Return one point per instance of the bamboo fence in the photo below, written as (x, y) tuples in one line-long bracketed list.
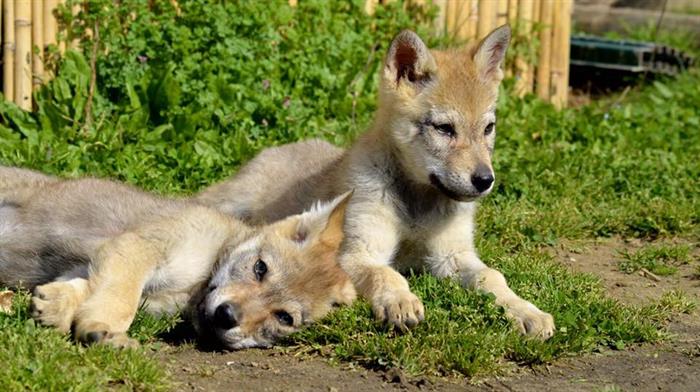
[(541, 33), (541, 30), (28, 27)]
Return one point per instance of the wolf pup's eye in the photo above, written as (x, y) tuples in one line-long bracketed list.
[(284, 318), (446, 129), (260, 269), (489, 128)]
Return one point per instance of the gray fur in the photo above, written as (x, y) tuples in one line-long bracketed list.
[(53, 226)]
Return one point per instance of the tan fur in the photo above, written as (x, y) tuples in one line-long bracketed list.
[(94, 251), (416, 175)]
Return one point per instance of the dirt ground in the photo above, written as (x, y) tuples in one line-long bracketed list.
[(669, 366)]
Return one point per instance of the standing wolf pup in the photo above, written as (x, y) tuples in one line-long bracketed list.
[(416, 176), (94, 250)]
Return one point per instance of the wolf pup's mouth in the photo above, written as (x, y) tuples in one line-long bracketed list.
[(435, 181)]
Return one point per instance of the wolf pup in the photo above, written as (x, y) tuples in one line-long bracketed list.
[(416, 174), (94, 251)]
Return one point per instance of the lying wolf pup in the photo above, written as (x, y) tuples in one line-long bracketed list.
[(416, 175), (95, 250)]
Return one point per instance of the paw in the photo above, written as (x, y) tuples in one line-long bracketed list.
[(54, 304), (531, 321), (98, 333), (400, 308)]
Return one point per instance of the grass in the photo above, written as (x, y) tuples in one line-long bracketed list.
[(659, 259), (38, 358), (616, 167)]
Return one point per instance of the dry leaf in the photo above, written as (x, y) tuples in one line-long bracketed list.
[(6, 301)]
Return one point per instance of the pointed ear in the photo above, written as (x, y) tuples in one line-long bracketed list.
[(409, 61), (332, 235), (323, 222), (490, 52)]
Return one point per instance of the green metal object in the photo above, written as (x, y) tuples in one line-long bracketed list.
[(626, 56)]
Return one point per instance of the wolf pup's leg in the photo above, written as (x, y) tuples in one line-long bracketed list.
[(372, 236), (452, 254), (117, 278)]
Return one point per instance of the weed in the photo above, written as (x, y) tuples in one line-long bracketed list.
[(659, 259)]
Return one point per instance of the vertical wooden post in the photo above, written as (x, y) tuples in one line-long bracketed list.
[(441, 18), (451, 17), (8, 49), (37, 42), (23, 55), (62, 44), (512, 12), (523, 70), (536, 10), (50, 29), (458, 17), (487, 18), (502, 13), (293, 3), (370, 5), (472, 20), (75, 42), (512, 21), (543, 66), (560, 52)]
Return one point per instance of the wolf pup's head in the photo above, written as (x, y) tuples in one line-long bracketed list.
[(281, 278), (439, 108)]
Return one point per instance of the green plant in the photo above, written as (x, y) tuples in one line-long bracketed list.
[(38, 358), (659, 259)]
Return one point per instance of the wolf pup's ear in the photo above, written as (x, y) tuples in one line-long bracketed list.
[(490, 53), (332, 235), (409, 61), (323, 223)]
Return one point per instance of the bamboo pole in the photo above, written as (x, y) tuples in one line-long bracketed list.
[(441, 19), (512, 21), (370, 5), (502, 13), (471, 25), (8, 49), (543, 66), (487, 18), (293, 3), (75, 42), (523, 70), (451, 16), (512, 12), (536, 5), (560, 52), (37, 42), (23, 55), (62, 43), (50, 29), (458, 19)]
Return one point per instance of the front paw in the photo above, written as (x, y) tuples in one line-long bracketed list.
[(54, 304), (400, 308), (531, 321), (99, 333)]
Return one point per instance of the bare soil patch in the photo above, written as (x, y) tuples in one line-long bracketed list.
[(673, 365), (601, 259)]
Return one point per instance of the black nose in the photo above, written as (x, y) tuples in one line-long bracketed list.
[(223, 316), (482, 181)]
